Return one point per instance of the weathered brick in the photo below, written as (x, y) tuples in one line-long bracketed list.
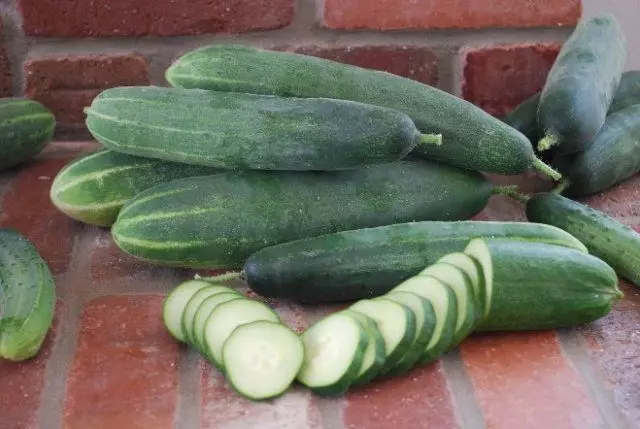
[(108, 262), (21, 383), (28, 208), (416, 400), (68, 84), (412, 62), (417, 14), (124, 372), (5, 68), (101, 18), (523, 380), (499, 78), (614, 346)]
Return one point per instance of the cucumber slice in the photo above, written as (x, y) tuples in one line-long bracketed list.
[(228, 316), (396, 323), (479, 250), (473, 269), (462, 287), (443, 300), (203, 313), (175, 303), (191, 308), (425, 324), (262, 359), (334, 350), (374, 355)]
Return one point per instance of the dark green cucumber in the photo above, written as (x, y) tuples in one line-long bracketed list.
[(26, 126), (628, 92), (605, 237), (27, 297), (612, 157), (219, 221), (472, 139), (540, 286), (365, 263), (581, 85), (93, 188), (249, 131)]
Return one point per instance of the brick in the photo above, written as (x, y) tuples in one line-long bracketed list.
[(5, 68), (497, 79), (68, 84), (125, 369), (28, 208), (416, 400), (21, 383), (103, 18), (108, 262), (523, 380), (458, 14), (412, 62), (620, 201), (614, 347)]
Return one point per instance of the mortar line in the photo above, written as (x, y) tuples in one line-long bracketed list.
[(467, 409), (16, 46), (188, 405), (575, 350), (331, 410)]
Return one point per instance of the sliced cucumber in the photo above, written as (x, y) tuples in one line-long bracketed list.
[(191, 308), (261, 359), (473, 269), (462, 287), (396, 323), (425, 323), (374, 354), (203, 313), (228, 316), (478, 249), (443, 300), (175, 303), (334, 350)]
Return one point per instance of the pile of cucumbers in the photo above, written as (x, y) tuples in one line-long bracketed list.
[(324, 182)]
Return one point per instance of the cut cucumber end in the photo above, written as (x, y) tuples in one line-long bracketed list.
[(174, 305), (430, 139), (190, 310), (202, 314), (545, 169), (232, 275), (374, 355), (478, 249)]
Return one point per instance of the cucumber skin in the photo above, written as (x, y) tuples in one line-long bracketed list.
[(539, 286), (27, 126), (27, 297), (472, 139), (582, 83), (248, 131), (372, 261), (613, 242), (296, 204), (98, 200)]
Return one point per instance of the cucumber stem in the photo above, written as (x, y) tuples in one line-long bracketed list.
[(547, 170), (547, 142), (429, 139), (511, 191), (562, 186), (221, 277)]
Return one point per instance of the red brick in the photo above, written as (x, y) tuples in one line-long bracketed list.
[(5, 68), (412, 62), (522, 380), (419, 399), (124, 373), (100, 18), (28, 208), (417, 14), (108, 262), (21, 383), (68, 84), (614, 346), (620, 201), (498, 79)]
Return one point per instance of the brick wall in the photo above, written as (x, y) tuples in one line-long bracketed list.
[(494, 53)]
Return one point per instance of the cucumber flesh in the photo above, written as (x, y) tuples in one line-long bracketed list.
[(473, 270), (228, 316), (175, 303), (396, 322), (262, 358), (334, 350), (374, 355), (478, 249), (202, 314), (189, 313)]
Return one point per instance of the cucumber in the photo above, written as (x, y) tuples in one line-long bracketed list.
[(612, 157), (202, 314), (581, 85), (249, 131), (472, 138), (473, 270), (27, 297), (219, 221), (537, 286), (374, 354), (628, 92), (175, 303), (26, 126), (334, 350), (262, 359), (613, 242), (93, 188), (368, 262), (190, 310)]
